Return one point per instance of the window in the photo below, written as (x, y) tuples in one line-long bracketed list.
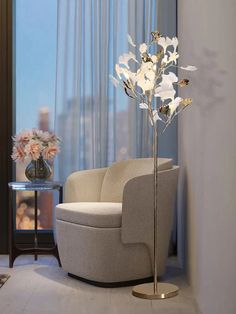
[(35, 74)]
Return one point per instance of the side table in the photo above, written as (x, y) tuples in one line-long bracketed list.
[(14, 250)]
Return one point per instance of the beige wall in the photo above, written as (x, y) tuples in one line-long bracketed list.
[(207, 150)]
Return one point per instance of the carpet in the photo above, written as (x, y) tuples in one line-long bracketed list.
[(3, 279)]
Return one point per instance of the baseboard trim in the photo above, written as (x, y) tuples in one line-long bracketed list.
[(112, 284)]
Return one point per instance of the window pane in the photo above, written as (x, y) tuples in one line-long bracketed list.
[(36, 27)]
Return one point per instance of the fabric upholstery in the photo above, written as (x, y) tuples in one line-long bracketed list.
[(121, 172), (105, 230), (96, 214), (98, 254), (137, 211), (84, 186)]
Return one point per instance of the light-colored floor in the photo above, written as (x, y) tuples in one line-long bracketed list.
[(42, 287)]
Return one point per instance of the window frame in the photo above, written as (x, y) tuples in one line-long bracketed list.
[(6, 121)]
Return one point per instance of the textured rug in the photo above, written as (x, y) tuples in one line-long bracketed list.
[(3, 279)]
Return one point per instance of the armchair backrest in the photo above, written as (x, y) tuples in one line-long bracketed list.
[(107, 184), (118, 174)]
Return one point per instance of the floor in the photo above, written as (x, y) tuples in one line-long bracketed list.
[(42, 287)]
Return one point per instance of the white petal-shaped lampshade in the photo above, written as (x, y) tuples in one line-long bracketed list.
[(156, 116), (174, 105), (143, 48), (118, 70), (143, 106), (154, 58), (150, 75), (115, 82), (126, 57), (173, 56), (171, 76), (130, 40), (165, 94), (175, 43), (189, 68), (145, 85)]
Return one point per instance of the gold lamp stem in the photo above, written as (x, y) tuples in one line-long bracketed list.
[(155, 290), (155, 152)]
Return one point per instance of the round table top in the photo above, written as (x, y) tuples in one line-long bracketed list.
[(35, 186)]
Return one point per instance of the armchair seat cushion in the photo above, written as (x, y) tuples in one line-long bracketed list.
[(92, 214)]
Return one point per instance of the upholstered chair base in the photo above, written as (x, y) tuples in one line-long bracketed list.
[(97, 254)]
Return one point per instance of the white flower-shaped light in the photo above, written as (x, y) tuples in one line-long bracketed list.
[(130, 40), (126, 57), (143, 48), (155, 117), (173, 105), (175, 43), (164, 42), (171, 76), (154, 58), (150, 75), (164, 59), (189, 68), (118, 70), (173, 56), (146, 85), (165, 90), (143, 105), (145, 77), (121, 71), (115, 82), (144, 69)]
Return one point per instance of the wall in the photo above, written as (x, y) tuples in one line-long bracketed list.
[(167, 25), (207, 151)]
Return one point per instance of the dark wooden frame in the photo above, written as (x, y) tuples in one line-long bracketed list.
[(6, 101), (36, 248)]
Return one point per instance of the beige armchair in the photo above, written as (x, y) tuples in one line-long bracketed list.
[(105, 227)]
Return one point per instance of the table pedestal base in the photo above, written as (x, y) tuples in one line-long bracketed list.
[(17, 251)]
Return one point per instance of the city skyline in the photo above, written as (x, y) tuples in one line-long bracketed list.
[(35, 60)]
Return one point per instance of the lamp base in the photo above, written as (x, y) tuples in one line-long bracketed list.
[(164, 291)]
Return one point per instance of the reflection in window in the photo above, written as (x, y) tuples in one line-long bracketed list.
[(35, 72)]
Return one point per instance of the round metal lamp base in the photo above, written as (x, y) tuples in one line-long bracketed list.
[(164, 291)]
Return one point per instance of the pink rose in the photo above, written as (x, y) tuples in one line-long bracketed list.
[(50, 151), (18, 153), (33, 149), (23, 138)]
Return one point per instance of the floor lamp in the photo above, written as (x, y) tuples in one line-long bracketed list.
[(154, 80)]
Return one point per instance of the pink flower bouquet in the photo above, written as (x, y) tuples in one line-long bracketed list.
[(32, 144)]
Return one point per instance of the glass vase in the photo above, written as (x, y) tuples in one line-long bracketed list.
[(38, 171)]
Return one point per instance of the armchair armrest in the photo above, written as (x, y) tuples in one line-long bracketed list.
[(84, 186), (138, 211)]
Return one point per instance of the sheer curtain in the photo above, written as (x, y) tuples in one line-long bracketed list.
[(97, 123)]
